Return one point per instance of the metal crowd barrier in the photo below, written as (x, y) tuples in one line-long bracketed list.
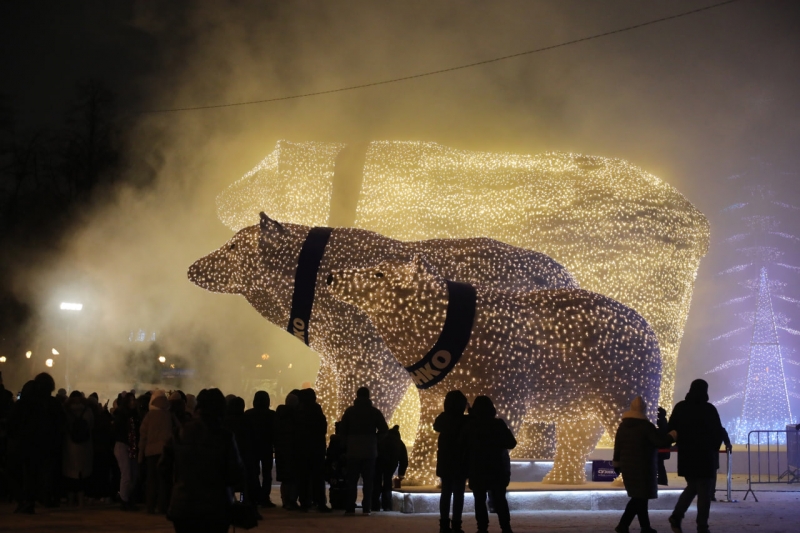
[(769, 446), (729, 478)]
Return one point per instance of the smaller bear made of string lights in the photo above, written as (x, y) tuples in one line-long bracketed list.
[(280, 268), (566, 356)]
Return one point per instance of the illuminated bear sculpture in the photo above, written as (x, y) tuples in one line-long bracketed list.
[(566, 356), (281, 268), (619, 230)]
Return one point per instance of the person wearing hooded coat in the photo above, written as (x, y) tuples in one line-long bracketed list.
[(6, 402), (361, 427), (49, 440), (126, 447), (392, 456), (155, 431), (284, 450), (77, 451), (636, 458), (485, 442), (449, 466), (204, 464), (23, 446), (99, 484), (663, 428), (261, 420), (311, 431), (699, 433)]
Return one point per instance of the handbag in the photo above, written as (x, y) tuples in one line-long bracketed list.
[(243, 515)]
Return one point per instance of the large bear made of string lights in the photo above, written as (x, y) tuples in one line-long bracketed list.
[(565, 356), (280, 269), (619, 230)]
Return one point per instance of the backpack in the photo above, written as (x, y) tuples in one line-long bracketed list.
[(79, 431)]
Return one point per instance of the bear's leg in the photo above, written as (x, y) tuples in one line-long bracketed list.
[(370, 364), (327, 390), (535, 440), (422, 458), (575, 438)]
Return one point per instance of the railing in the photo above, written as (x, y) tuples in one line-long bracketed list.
[(729, 478), (768, 447)]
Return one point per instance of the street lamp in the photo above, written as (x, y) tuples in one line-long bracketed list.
[(54, 351), (28, 354), (49, 362), (162, 359), (3, 359), (69, 306)]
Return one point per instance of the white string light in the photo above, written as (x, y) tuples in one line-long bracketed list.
[(619, 230), (565, 356)]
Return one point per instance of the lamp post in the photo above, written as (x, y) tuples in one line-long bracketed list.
[(71, 307)]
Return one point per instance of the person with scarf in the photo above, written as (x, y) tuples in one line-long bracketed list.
[(636, 458)]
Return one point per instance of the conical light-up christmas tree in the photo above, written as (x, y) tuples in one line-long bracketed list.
[(763, 248), (766, 402)]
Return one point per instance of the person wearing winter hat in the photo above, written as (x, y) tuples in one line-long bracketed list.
[(636, 458), (177, 405), (699, 434), (191, 403), (449, 466), (484, 443), (156, 429)]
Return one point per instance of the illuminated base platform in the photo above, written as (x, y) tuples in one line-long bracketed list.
[(535, 496)]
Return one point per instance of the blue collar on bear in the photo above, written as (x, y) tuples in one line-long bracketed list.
[(305, 281), (444, 355)]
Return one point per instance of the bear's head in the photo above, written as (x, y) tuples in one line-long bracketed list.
[(389, 288), (258, 262)]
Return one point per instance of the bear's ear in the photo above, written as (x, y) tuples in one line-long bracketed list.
[(266, 221), (421, 265)]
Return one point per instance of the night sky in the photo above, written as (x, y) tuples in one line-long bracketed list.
[(693, 100)]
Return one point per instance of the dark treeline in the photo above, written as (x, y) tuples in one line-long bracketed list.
[(49, 176)]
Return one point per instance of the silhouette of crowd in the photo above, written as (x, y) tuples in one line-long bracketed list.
[(207, 462)]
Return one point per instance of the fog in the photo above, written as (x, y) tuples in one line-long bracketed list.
[(691, 100)]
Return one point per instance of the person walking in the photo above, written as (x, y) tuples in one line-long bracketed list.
[(361, 427), (78, 450), (449, 466), (261, 420), (392, 456), (204, 464), (485, 442), (699, 433), (636, 458), (155, 431)]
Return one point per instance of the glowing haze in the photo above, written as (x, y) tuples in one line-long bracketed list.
[(689, 101)]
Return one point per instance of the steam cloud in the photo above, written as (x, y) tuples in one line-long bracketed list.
[(688, 101)]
